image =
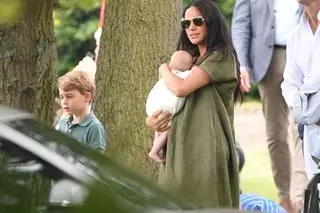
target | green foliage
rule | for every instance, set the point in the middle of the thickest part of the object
(74, 28)
(83, 4)
(254, 93)
(226, 7)
(186, 2)
(10, 10)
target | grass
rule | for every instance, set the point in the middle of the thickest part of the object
(256, 176)
(249, 105)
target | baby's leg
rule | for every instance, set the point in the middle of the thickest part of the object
(160, 140)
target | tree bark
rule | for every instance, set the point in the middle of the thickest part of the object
(138, 35)
(27, 60)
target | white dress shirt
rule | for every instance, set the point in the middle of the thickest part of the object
(286, 19)
(302, 82)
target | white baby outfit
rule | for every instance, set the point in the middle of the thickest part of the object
(160, 97)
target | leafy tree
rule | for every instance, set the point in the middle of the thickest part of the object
(10, 10)
(74, 28)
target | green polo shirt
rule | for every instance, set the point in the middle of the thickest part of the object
(88, 131)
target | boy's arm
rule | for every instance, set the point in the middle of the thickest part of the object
(97, 138)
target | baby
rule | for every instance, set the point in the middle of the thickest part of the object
(161, 98)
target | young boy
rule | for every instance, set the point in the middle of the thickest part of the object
(76, 93)
(160, 97)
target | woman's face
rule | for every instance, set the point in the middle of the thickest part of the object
(196, 34)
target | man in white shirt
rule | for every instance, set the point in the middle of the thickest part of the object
(260, 29)
(302, 77)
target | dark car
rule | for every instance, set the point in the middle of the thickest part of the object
(45, 171)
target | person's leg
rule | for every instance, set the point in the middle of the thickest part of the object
(160, 139)
(276, 113)
(299, 179)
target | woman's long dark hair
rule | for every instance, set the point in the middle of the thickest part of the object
(218, 38)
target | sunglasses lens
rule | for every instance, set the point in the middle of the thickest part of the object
(185, 24)
(198, 21)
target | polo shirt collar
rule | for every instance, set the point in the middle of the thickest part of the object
(84, 122)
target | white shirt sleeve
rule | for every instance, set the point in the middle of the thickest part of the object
(301, 93)
(293, 77)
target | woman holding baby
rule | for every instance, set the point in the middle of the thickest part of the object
(200, 162)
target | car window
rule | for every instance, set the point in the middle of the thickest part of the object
(28, 184)
(65, 146)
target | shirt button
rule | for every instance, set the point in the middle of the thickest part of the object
(270, 46)
(272, 27)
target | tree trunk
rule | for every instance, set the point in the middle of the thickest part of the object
(27, 60)
(138, 35)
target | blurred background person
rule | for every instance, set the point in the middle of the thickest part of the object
(260, 30)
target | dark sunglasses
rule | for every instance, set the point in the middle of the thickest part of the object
(185, 23)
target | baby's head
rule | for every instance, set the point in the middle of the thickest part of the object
(181, 60)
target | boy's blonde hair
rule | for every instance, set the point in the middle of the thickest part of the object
(76, 80)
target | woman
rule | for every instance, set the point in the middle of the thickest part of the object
(201, 162)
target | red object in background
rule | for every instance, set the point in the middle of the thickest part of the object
(102, 8)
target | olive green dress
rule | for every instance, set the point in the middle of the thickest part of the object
(201, 164)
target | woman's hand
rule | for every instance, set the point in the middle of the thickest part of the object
(159, 121)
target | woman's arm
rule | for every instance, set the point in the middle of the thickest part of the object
(183, 87)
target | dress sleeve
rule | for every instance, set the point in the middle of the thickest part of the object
(220, 71)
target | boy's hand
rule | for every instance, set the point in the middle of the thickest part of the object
(159, 121)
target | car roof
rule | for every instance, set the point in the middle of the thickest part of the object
(7, 114)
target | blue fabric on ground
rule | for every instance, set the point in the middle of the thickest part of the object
(253, 202)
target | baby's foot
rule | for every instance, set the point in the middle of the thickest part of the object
(156, 157)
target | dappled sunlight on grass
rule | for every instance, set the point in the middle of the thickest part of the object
(256, 176)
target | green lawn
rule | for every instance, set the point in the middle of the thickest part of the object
(256, 176)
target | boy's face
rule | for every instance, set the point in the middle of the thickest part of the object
(73, 101)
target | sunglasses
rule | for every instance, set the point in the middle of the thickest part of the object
(185, 23)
